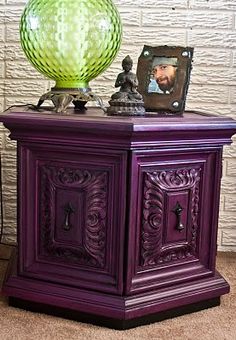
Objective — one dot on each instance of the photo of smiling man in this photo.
(164, 70)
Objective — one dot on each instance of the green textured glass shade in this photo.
(70, 41)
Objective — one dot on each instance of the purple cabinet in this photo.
(117, 216)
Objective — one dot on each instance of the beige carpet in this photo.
(218, 323)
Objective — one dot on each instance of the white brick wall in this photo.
(207, 25)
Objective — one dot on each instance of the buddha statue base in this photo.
(125, 108)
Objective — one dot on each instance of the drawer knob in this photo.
(178, 210)
(68, 209)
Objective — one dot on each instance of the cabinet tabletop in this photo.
(133, 130)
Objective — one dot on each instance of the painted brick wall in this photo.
(207, 25)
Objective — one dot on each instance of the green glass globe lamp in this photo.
(70, 42)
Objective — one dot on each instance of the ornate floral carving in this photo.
(175, 179)
(94, 185)
(156, 184)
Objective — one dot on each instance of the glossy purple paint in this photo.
(122, 256)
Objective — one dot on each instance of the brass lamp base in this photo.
(62, 98)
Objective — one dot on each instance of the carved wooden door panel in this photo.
(173, 229)
(73, 230)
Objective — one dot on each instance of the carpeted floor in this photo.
(218, 323)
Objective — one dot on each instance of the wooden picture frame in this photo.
(163, 74)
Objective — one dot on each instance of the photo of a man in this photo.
(164, 70)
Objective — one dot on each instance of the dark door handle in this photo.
(68, 209)
(178, 210)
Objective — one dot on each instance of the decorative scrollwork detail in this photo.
(94, 184)
(194, 216)
(156, 183)
(175, 179)
(73, 177)
(152, 221)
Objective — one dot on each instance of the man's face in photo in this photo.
(165, 74)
